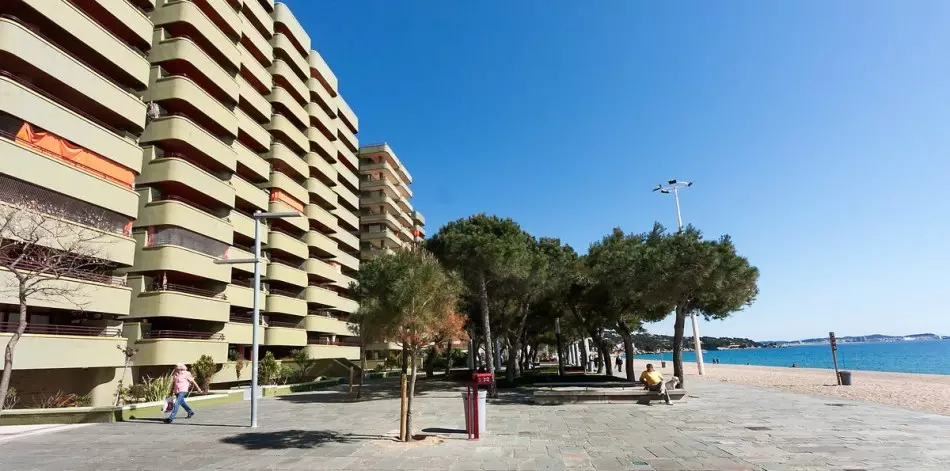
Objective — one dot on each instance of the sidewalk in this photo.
(12, 432)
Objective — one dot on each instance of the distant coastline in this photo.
(858, 339)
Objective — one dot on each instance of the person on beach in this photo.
(653, 381)
(182, 381)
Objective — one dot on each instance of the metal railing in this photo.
(182, 334)
(158, 286)
(237, 318)
(338, 343)
(286, 325)
(62, 272)
(188, 202)
(288, 293)
(56, 329)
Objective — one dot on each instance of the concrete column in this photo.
(105, 381)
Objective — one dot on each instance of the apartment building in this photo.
(387, 219)
(190, 116)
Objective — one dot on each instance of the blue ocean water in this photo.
(919, 356)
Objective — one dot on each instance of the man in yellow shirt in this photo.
(653, 381)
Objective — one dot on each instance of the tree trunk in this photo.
(405, 359)
(359, 389)
(430, 362)
(585, 355)
(679, 328)
(511, 367)
(449, 358)
(412, 392)
(486, 324)
(8, 353)
(628, 349)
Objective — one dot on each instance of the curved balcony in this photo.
(28, 165)
(347, 195)
(179, 259)
(240, 296)
(183, 92)
(176, 12)
(256, 74)
(327, 174)
(254, 132)
(382, 218)
(287, 243)
(285, 49)
(300, 223)
(86, 347)
(96, 294)
(347, 137)
(418, 218)
(321, 243)
(326, 123)
(227, 20)
(320, 269)
(347, 239)
(181, 305)
(178, 213)
(347, 116)
(345, 155)
(239, 333)
(318, 352)
(255, 43)
(322, 72)
(320, 96)
(321, 191)
(347, 260)
(285, 131)
(389, 171)
(344, 282)
(282, 154)
(128, 20)
(321, 216)
(31, 106)
(280, 97)
(176, 170)
(250, 194)
(347, 175)
(183, 53)
(346, 216)
(123, 58)
(386, 202)
(286, 184)
(320, 144)
(287, 305)
(259, 17)
(25, 45)
(386, 186)
(166, 351)
(285, 336)
(236, 253)
(183, 133)
(244, 225)
(328, 325)
(284, 20)
(280, 69)
(387, 238)
(253, 102)
(250, 162)
(321, 296)
(346, 305)
(286, 274)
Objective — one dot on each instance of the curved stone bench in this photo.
(573, 395)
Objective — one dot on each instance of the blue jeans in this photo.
(180, 401)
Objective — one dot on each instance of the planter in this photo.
(65, 415)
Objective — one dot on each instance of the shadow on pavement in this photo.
(444, 430)
(371, 392)
(294, 439)
(181, 422)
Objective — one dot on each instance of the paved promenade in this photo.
(719, 427)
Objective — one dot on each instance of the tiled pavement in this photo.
(719, 427)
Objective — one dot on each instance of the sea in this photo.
(909, 356)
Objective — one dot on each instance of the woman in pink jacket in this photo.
(182, 381)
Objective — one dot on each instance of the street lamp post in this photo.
(259, 217)
(674, 186)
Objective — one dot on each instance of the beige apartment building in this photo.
(176, 120)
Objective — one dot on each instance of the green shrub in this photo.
(157, 389)
(204, 369)
(268, 370)
(233, 355)
(287, 374)
(11, 399)
(60, 399)
(303, 365)
(238, 367)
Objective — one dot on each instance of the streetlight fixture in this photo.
(258, 216)
(674, 186)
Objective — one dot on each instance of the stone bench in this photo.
(573, 395)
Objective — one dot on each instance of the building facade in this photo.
(163, 128)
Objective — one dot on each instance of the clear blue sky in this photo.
(818, 134)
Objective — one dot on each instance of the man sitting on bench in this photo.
(653, 381)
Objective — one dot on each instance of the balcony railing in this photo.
(158, 286)
(327, 341)
(63, 272)
(182, 334)
(288, 293)
(239, 319)
(286, 325)
(188, 202)
(55, 329)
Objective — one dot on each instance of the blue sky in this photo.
(818, 134)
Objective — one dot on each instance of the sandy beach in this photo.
(922, 392)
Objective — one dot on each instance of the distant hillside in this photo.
(860, 338)
(655, 343)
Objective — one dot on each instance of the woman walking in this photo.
(182, 381)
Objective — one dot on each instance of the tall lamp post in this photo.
(674, 187)
(259, 218)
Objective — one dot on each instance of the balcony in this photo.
(46, 346)
(347, 260)
(285, 303)
(285, 22)
(179, 259)
(126, 20)
(120, 56)
(168, 347)
(384, 201)
(347, 195)
(283, 100)
(328, 325)
(90, 292)
(387, 169)
(321, 296)
(323, 120)
(284, 336)
(324, 195)
(180, 92)
(240, 296)
(287, 243)
(177, 13)
(384, 185)
(256, 74)
(325, 171)
(182, 133)
(284, 49)
(347, 305)
(252, 133)
(321, 71)
(251, 162)
(288, 185)
(286, 274)
(320, 96)
(173, 212)
(250, 194)
(322, 217)
(244, 225)
(345, 155)
(383, 218)
(282, 155)
(320, 269)
(300, 223)
(255, 43)
(183, 54)
(388, 238)
(180, 301)
(418, 218)
(237, 253)
(344, 282)
(176, 170)
(26, 46)
(259, 17)
(227, 20)
(347, 217)
(286, 132)
(321, 243)
(347, 116)
(253, 102)
(346, 239)
(319, 142)
(347, 137)
(241, 333)
(320, 351)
